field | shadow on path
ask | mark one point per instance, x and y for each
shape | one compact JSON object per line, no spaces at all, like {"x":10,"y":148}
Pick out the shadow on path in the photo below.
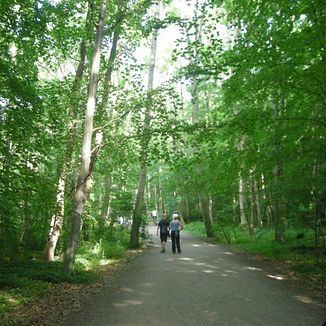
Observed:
{"x":204,"y":285}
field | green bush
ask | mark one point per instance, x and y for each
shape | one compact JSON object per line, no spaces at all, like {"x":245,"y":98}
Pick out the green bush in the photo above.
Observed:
{"x":196,"y":228}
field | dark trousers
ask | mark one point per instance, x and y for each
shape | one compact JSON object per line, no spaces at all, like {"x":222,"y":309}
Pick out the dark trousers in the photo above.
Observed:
{"x":175,"y":237}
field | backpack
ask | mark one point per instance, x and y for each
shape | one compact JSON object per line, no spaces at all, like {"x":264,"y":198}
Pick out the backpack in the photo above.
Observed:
{"x":164,"y":228}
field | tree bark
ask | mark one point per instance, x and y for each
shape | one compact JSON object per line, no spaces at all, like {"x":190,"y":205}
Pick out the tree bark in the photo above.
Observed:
{"x":204,"y":204}
{"x":106,"y":197}
{"x":134,"y":235}
{"x":58,"y":216}
{"x":279,"y":222}
{"x":102,"y":108}
{"x":203,"y":197}
{"x":242,"y":202}
{"x":84,"y":178}
{"x":257,"y":203}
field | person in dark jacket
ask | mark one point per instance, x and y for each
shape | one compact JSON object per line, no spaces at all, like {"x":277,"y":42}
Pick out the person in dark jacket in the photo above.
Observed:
{"x":164,"y":227}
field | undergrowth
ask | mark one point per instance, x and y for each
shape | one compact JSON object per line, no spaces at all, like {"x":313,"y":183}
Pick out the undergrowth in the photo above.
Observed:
{"x":22,"y":280}
{"x":298,"y":249}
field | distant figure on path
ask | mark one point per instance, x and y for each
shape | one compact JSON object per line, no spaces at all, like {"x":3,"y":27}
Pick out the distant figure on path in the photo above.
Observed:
{"x":175,"y":227}
{"x":154,"y":216}
{"x":163,"y":226}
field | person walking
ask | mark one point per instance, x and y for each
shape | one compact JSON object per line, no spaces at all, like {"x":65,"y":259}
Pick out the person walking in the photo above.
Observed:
{"x":154,"y":216}
{"x":175,"y":227}
{"x":163,"y":226}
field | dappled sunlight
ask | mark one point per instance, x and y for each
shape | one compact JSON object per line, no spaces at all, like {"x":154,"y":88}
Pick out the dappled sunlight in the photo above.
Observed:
{"x":127,"y":290}
{"x":196,"y":245}
{"x":230,"y":272}
{"x":147,"y":284}
{"x":166,"y":268}
{"x":212,"y":245}
{"x":127,"y":303}
{"x":276,"y":277}
{"x":186,"y":259}
{"x":104,"y":262}
{"x":207,"y":271}
{"x":219,"y":261}
{"x":304,"y":299}
{"x":200,"y":264}
{"x":227,"y":253}
{"x":254,"y":269}
{"x":135,"y":251}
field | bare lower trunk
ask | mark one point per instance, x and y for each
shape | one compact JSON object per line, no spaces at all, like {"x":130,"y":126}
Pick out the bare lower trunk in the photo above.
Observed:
{"x":279,"y":221}
{"x":56,"y":221}
{"x":204,"y":203}
{"x":242,"y":202}
{"x":257,"y":203}
{"x":134,"y":236}
{"x":234,"y":209}
{"x":84,"y":179}
{"x":58,"y":217}
{"x":106,"y":197}
{"x":253,"y":213}
{"x":102,"y":109}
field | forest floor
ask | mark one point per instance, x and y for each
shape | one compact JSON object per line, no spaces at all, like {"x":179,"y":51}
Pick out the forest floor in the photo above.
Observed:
{"x":228,"y":280}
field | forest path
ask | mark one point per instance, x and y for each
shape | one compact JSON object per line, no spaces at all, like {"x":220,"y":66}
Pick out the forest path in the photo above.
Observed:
{"x":204,"y":285}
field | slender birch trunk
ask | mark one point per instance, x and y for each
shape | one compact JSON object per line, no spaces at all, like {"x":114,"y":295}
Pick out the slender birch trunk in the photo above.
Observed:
{"x":134,"y":235}
{"x":257,"y":203}
{"x":234,"y":210}
{"x":242,"y":189}
{"x":58,"y":216}
{"x":253,"y":214}
{"x":279,"y":222}
{"x":242,"y":202}
{"x":105,"y":97}
{"x":203,"y":197}
{"x":84,"y":178}
{"x":106,"y":197}
{"x":204,"y":204}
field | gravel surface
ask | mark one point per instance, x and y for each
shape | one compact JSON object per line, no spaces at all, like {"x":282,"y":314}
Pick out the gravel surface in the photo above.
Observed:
{"x":204,"y":285}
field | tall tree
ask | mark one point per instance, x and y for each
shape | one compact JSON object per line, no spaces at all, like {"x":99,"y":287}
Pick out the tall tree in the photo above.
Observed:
{"x":134,"y":235}
{"x":58,"y":216}
{"x":84,"y":177}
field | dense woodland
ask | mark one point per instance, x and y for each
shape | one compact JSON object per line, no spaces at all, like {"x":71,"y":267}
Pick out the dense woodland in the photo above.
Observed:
{"x":229,"y":128}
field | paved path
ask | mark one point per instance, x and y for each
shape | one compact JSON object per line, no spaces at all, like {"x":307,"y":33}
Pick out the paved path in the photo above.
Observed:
{"x":204,"y":285}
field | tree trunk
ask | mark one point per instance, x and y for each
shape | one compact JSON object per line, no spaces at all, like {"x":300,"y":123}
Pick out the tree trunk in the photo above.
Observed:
{"x":106,"y":197}
{"x":203,"y":197}
{"x":277,"y":209}
{"x":235,"y":210}
{"x":161,"y":205}
{"x":102,"y":108}
{"x":134,"y":235}
{"x":84,"y":178}
{"x":257,"y":203}
{"x":242,"y":202}
{"x":279,"y":221}
{"x":204,"y":203}
{"x":253,"y":214}
{"x":58,"y":217}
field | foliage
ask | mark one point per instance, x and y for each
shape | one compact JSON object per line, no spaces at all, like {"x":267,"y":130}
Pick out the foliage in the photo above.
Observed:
{"x":298,"y":251}
{"x":196,"y":228}
{"x":256,"y":70}
{"x":23,"y":280}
